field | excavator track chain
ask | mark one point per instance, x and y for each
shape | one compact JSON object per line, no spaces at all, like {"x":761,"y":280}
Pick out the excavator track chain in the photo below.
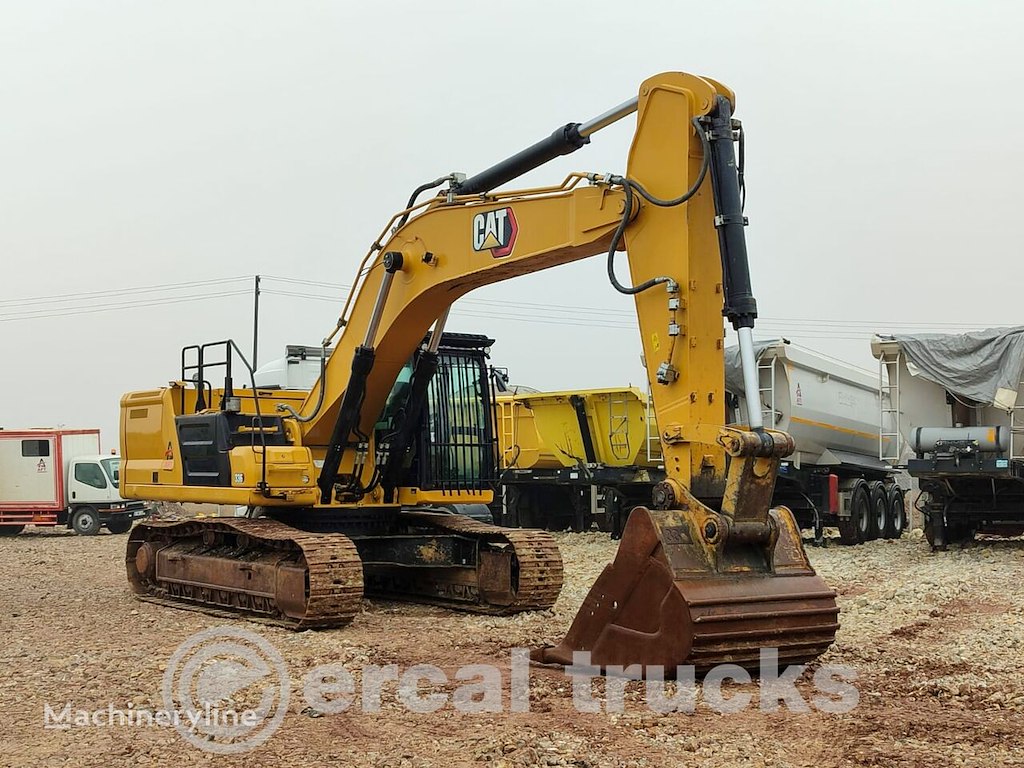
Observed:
{"x":515,"y":570}
{"x":260,"y":569}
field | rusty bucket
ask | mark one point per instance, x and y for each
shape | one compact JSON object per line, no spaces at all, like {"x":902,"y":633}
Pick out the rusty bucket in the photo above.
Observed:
{"x":692,"y":586}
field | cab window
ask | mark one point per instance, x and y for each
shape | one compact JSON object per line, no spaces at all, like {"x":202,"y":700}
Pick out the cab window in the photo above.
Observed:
{"x":90,"y":474}
{"x":113,"y":468}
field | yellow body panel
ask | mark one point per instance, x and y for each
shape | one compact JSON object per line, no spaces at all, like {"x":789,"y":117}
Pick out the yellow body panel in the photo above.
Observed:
{"x":546,"y":428}
{"x":518,"y":438}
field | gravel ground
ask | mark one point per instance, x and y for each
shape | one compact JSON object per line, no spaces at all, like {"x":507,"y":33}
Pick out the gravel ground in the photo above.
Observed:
{"x":936,"y":641}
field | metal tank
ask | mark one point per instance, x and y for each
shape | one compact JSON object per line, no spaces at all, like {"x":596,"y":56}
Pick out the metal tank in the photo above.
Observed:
{"x":831,"y":409}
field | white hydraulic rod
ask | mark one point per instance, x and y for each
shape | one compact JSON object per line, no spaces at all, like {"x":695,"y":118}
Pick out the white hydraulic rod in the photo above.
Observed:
{"x":750,"y":383}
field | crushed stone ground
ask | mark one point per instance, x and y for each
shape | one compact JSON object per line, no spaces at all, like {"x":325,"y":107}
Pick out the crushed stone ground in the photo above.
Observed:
{"x":936,"y":640}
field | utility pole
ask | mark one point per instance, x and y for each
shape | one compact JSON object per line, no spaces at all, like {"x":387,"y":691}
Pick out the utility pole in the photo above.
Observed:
{"x":255,"y":320}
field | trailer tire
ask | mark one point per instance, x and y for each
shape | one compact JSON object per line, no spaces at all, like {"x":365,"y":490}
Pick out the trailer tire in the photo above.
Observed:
{"x":897,"y":513}
{"x":85,"y":521}
{"x":119,"y":525}
{"x":11,"y":530}
{"x":853,"y":529}
{"x":935,"y":532}
{"x":878,"y":520}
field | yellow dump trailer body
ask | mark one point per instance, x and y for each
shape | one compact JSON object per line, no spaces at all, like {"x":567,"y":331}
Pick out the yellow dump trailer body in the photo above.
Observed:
{"x":520,"y":443}
{"x":567,"y":429}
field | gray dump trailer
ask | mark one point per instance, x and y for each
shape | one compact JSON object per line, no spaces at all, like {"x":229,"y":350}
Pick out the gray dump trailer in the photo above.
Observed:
{"x":958,"y":401}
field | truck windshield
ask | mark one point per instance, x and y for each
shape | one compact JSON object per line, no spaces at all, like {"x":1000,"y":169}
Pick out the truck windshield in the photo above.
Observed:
{"x":112,"y":467}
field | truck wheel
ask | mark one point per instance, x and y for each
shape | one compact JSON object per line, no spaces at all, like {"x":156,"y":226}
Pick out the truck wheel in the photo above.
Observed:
{"x":854,"y":529}
{"x":85,"y":521}
{"x":878,"y":522}
{"x":935,"y":532}
{"x":897,"y":513}
{"x":11,"y":530}
{"x":862,"y":512}
{"x":119,"y":525}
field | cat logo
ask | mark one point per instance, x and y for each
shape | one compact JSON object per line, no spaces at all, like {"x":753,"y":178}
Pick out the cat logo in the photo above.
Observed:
{"x":495,"y":231}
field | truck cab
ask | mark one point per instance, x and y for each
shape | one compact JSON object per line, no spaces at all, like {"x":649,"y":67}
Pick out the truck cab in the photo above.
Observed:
{"x":93,"y":498}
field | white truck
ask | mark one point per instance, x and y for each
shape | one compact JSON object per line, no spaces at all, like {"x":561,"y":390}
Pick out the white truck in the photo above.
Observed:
{"x":52,"y":477}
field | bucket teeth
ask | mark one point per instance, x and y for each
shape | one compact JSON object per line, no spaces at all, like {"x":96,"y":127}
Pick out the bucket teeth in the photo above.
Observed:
{"x":652,"y":607}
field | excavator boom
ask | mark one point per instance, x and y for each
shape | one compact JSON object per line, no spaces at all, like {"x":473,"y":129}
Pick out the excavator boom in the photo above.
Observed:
{"x":706,"y":573}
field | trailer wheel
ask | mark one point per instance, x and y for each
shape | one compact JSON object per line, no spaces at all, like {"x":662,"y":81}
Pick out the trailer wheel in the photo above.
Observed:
{"x":935,"y":531}
{"x":878,"y":521}
{"x":897,"y":513}
{"x":854,"y":529}
{"x":961,"y":532}
{"x":119,"y":525}
{"x":85,"y":521}
{"x":11,"y":530}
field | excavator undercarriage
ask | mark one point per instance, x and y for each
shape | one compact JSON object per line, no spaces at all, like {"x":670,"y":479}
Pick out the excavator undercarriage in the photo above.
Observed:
{"x":273,"y":572}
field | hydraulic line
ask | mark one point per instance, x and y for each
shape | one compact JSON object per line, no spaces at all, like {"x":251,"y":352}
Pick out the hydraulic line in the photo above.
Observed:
{"x":355,"y":393}
{"x":629,"y":187}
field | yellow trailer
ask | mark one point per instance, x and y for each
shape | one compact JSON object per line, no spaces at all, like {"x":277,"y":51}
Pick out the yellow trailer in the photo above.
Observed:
{"x":566,"y":429}
{"x":569,"y":459}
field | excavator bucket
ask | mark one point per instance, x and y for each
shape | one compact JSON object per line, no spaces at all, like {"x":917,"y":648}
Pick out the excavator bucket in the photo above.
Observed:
{"x":691,"y":586}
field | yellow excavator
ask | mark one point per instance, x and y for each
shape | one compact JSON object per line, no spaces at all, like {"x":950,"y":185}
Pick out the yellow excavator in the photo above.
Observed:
{"x":355,"y":486}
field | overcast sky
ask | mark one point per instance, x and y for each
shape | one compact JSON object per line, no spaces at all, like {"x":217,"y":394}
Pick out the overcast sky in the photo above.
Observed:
{"x":146,"y":145}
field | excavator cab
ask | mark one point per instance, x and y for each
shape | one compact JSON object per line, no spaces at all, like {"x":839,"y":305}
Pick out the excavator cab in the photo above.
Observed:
{"x":455,"y":446}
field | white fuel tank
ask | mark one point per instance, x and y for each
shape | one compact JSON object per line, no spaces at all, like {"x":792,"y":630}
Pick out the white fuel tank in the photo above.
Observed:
{"x":989,"y":439}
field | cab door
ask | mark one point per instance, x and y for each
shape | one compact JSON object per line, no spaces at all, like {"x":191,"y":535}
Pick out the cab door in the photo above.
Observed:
{"x":88,"y":484}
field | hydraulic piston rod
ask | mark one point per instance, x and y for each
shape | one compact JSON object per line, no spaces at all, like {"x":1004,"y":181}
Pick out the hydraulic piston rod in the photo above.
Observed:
{"x":740,"y":306}
{"x":563,"y":141}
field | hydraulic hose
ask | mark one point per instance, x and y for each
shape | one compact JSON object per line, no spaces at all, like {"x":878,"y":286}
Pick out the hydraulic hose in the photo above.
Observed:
{"x":629,"y":187}
{"x":419,"y":191}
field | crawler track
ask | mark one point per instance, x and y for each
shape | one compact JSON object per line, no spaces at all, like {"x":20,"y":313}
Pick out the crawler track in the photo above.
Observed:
{"x":536,"y":578}
{"x":265,"y":570}
{"x":260,"y":569}
{"x":513,"y":570}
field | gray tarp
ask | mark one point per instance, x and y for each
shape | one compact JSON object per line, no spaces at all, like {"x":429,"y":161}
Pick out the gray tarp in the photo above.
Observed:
{"x":733,"y":369}
{"x":984,"y":366}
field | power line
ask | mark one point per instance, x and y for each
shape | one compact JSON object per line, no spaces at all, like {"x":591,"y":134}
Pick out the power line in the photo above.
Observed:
{"x":86,"y":302}
{"x":469,"y":312}
{"x":43,"y":314}
{"x":114,"y":292}
{"x":763,"y":322}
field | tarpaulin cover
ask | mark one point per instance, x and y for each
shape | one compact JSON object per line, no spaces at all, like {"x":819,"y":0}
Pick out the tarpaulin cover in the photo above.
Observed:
{"x":984,"y":366}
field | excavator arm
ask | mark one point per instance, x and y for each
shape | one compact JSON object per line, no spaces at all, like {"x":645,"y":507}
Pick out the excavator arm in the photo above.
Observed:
{"x":460,"y":242}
